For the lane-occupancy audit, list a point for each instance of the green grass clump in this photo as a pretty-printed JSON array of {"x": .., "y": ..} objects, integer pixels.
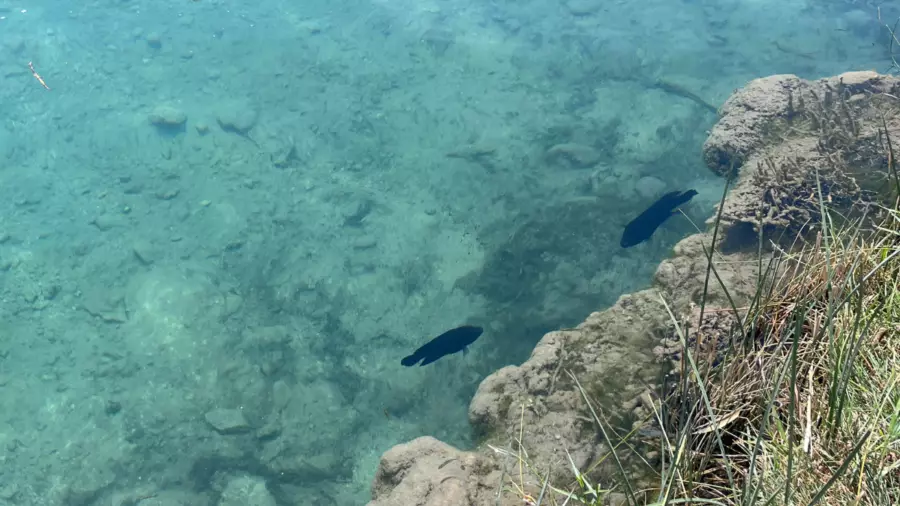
[{"x": 804, "y": 408}]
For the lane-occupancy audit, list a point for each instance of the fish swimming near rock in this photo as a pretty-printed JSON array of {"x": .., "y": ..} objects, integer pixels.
[
  {"x": 448, "y": 343},
  {"x": 641, "y": 228}
]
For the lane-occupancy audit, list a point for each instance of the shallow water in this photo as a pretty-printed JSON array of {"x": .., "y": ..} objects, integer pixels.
[{"x": 260, "y": 208}]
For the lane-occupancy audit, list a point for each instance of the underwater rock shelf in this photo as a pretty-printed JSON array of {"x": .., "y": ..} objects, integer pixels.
[{"x": 778, "y": 140}]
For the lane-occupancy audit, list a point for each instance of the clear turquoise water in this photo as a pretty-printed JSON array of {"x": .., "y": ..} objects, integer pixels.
[{"x": 261, "y": 207}]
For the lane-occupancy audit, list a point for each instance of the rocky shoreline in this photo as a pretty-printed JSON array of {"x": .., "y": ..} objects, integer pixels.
[{"x": 780, "y": 139}]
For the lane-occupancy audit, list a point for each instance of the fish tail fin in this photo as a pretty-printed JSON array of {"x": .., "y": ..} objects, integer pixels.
[{"x": 410, "y": 360}]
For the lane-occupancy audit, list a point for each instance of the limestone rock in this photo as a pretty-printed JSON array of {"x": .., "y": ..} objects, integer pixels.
[
  {"x": 227, "y": 421},
  {"x": 572, "y": 155},
  {"x": 427, "y": 472},
  {"x": 749, "y": 114},
  {"x": 783, "y": 134},
  {"x": 144, "y": 251},
  {"x": 167, "y": 116},
  {"x": 583, "y": 7},
  {"x": 237, "y": 117},
  {"x": 246, "y": 491}
]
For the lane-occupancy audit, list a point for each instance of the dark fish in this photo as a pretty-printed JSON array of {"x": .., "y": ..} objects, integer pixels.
[
  {"x": 641, "y": 228},
  {"x": 449, "y": 342}
]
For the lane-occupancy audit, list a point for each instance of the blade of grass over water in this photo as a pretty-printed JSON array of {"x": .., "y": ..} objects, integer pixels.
[
  {"x": 612, "y": 448},
  {"x": 715, "y": 235}
]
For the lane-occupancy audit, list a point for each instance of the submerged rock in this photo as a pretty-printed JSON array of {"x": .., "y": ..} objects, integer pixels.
[
  {"x": 237, "y": 117},
  {"x": 584, "y": 7},
  {"x": 572, "y": 155},
  {"x": 227, "y": 421},
  {"x": 166, "y": 116},
  {"x": 246, "y": 491}
]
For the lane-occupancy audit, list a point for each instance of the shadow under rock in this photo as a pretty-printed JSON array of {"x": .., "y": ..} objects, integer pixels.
[{"x": 539, "y": 277}]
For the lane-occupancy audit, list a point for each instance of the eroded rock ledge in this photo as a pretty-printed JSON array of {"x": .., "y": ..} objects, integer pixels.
[{"x": 781, "y": 138}]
